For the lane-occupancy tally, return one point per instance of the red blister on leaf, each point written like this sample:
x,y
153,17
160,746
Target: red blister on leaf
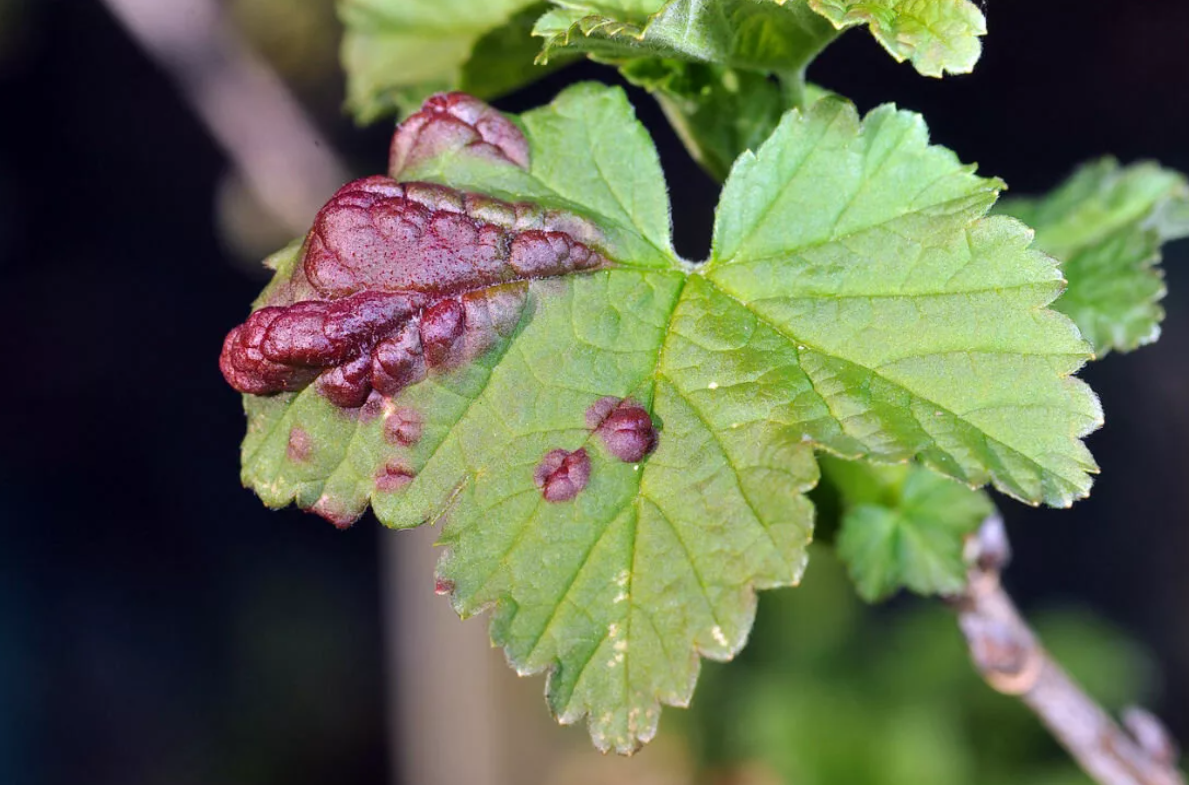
x,y
626,428
399,280
562,475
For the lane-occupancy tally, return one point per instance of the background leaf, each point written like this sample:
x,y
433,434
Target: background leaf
x,y
936,36
1106,224
397,52
731,33
903,526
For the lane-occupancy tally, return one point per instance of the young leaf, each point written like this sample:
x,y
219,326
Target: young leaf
x,y
732,33
619,443
1106,224
398,52
937,36
903,527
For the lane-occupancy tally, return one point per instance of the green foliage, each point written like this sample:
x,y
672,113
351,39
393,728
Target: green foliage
x,y
701,57
918,323
857,299
718,112
823,671
903,527
732,33
936,36
1106,224
397,52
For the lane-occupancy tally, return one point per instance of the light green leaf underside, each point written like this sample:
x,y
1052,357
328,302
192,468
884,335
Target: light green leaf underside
x,y
732,33
903,526
1106,224
397,52
936,36
617,592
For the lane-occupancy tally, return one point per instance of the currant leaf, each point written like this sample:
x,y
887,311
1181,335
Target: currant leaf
x,y
732,33
398,52
903,527
1106,224
936,36
498,336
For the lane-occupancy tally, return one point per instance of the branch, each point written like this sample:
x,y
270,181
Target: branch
x,y
1012,660
244,104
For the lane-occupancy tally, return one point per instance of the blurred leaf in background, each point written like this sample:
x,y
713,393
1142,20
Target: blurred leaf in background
x,y
903,526
397,52
1106,224
830,691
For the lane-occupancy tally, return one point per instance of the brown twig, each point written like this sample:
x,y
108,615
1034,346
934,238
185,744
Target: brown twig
x,y
274,145
1012,660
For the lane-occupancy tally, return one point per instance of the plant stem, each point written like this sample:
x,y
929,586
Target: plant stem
x,y
792,86
1010,657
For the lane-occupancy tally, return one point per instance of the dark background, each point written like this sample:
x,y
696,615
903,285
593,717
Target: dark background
x,y
158,625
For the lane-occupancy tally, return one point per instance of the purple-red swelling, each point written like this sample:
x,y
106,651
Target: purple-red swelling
x,y
397,279
625,427
456,122
562,475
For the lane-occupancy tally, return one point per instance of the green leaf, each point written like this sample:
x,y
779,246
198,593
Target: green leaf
x,y
918,324
397,52
1106,224
937,36
903,526
732,33
857,300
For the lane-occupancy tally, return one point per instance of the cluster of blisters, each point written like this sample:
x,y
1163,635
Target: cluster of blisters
x,y
399,279
626,428
627,431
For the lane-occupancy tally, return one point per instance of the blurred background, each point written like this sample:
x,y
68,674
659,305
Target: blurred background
x,y
158,625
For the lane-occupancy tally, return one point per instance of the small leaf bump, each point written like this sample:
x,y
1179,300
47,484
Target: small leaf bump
x,y
394,476
336,512
625,427
403,426
562,475
300,447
